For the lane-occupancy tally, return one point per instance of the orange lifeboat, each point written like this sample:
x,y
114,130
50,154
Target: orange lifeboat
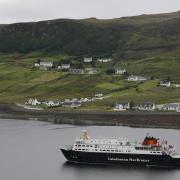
x,y
150,141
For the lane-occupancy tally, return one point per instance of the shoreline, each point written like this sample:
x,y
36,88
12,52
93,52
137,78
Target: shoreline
x,y
103,118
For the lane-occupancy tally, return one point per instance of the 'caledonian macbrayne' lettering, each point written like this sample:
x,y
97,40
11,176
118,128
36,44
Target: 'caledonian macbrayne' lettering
x,y
151,151
130,159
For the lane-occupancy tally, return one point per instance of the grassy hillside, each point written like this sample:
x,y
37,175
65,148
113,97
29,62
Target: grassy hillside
x,y
125,37
18,83
147,45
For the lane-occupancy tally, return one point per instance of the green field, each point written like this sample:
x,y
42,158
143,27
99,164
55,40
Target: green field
x,y
20,81
146,45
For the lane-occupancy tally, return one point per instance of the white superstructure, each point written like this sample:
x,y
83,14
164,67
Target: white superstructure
x,y
120,145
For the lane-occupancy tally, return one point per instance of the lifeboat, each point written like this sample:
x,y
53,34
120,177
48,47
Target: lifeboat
x,y
150,141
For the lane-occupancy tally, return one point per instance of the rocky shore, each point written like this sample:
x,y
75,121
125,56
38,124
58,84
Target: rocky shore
x,y
132,119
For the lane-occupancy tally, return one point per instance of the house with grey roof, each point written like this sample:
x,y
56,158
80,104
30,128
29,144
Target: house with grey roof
x,y
122,106
88,59
76,71
165,83
146,107
136,78
169,107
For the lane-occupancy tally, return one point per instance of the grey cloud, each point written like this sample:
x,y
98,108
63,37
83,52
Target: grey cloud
x,y
34,10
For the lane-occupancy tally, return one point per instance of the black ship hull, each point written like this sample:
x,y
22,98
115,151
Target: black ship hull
x,y
120,159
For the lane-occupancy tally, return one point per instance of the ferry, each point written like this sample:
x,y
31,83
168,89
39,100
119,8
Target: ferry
x,y
150,152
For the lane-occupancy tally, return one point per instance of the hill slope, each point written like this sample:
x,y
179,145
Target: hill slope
x,y
125,37
147,45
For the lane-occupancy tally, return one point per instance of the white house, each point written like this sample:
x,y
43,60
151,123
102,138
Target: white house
x,y
33,102
76,71
178,108
176,85
46,64
146,107
98,95
90,71
52,103
71,104
64,66
165,83
122,106
120,71
88,59
104,60
36,64
169,107
85,100
136,78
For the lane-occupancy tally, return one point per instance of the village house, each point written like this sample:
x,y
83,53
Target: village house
x,y
98,95
32,102
75,100
120,71
88,59
165,83
90,71
83,100
136,78
52,103
176,85
67,100
104,60
122,106
43,65
169,107
146,107
76,71
178,108
64,66
36,64
46,64
71,104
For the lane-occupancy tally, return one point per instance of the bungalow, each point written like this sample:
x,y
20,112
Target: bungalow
x,y
104,60
52,103
71,104
64,66
85,100
46,64
169,107
136,78
32,102
75,100
122,106
36,64
90,71
98,95
88,59
165,83
76,71
146,107
176,85
178,108
120,71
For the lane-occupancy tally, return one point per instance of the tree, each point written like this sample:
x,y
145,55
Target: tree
x,y
110,71
169,78
131,104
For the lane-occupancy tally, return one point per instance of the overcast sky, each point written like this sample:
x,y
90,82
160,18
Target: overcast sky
x,y
35,10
